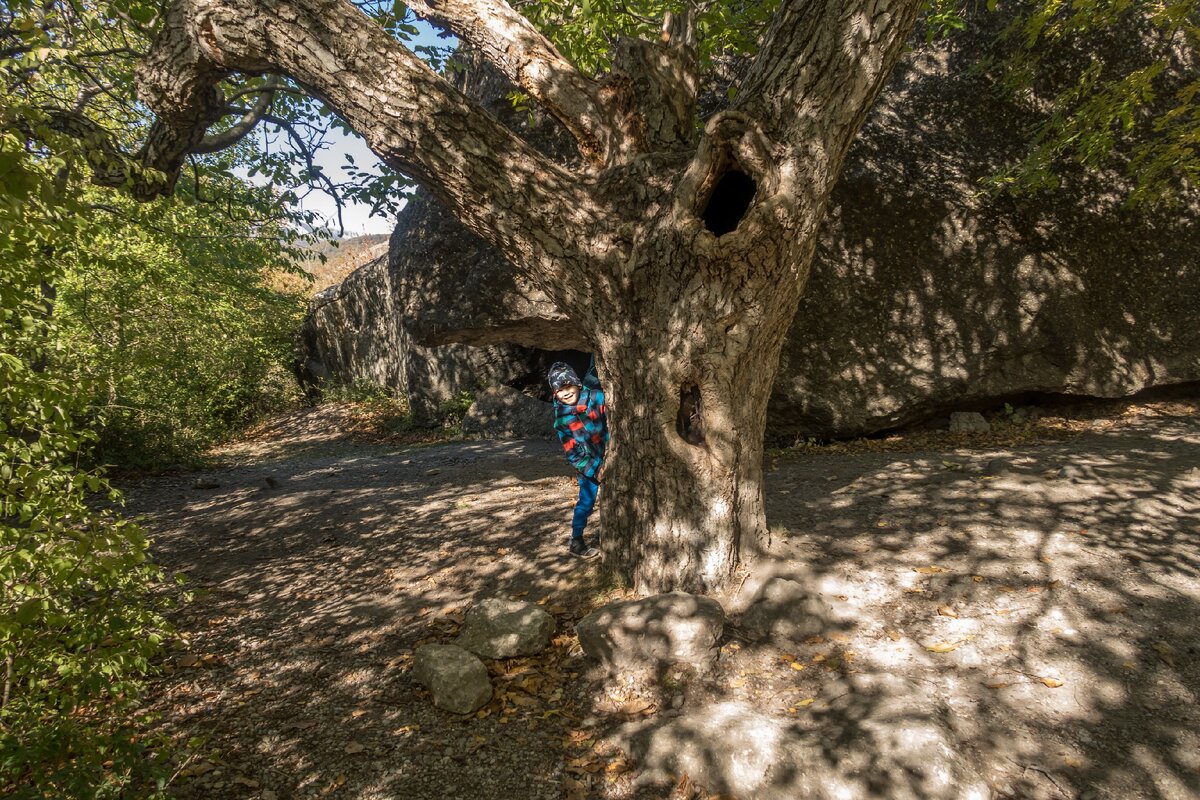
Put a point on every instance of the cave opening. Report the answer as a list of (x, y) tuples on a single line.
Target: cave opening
[(729, 202)]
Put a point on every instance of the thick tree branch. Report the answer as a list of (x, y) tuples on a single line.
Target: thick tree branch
[(528, 59), (664, 78), (500, 187), (819, 71)]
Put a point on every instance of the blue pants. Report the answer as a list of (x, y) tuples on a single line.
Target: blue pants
[(588, 488)]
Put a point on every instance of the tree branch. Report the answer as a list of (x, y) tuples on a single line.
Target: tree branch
[(498, 185), (821, 66), (228, 138), (527, 58)]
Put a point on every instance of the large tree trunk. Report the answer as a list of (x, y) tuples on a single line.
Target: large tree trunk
[(683, 504), (681, 257), (689, 341)]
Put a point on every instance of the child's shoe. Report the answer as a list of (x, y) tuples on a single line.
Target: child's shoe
[(582, 549)]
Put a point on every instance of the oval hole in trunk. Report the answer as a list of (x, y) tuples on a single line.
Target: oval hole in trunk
[(689, 423), (729, 202)]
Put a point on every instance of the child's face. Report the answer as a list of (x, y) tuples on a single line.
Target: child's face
[(567, 395)]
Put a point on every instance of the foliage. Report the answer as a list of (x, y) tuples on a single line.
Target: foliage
[(78, 621), (168, 309), (586, 31), (453, 410), (111, 314), (1113, 81)]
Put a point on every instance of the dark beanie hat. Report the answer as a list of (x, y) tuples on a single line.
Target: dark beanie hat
[(561, 375)]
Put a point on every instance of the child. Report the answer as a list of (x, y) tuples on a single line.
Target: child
[(579, 420)]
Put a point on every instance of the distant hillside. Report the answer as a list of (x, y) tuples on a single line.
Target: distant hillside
[(342, 258)]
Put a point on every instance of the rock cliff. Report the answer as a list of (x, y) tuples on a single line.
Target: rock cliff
[(925, 294)]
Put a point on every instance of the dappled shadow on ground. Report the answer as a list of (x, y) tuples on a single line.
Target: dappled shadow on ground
[(1033, 632), (956, 603), (316, 577)]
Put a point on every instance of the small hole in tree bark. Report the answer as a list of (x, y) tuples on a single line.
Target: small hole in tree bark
[(689, 424), (730, 200)]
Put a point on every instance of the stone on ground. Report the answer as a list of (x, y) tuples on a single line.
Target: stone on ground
[(663, 629), (968, 422), (502, 412), (497, 628), (458, 680), (736, 749), (997, 467), (784, 610)]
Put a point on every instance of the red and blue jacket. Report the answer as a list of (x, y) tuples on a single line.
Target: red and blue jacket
[(583, 430)]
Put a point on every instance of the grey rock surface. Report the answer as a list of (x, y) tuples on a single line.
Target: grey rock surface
[(354, 333), (996, 467), (968, 422), (784, 610), (458, 679), (502, 412), (924, 295), (670, 628), (497, 628), (736, 749)]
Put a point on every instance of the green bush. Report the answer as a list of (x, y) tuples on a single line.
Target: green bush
[(80, 608)]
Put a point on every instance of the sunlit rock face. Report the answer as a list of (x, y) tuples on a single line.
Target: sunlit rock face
[(924, 296), (354, 333)]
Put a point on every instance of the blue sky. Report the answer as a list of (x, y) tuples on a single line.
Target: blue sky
[(333, 159)]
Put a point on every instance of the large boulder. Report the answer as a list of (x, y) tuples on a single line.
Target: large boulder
[(457, 679), (497, 628), (672, 628), (925, 295), (354, 333), (785, 611), (502, 412)]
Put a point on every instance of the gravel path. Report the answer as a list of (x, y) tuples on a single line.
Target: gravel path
[(1049, 612)]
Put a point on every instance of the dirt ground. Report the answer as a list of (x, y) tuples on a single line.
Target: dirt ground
[(1049, 613)]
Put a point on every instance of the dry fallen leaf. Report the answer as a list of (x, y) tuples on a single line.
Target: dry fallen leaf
[(977, 578), (946, 647), (1053, 683), (931, 570), (808, 701), (947, 611), (796, 665), (1008, 589), (1071, 761), (894, 635), (1165, 653), (915, 590)]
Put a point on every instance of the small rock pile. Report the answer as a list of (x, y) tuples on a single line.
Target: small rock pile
[(455, 673), (672, 628)]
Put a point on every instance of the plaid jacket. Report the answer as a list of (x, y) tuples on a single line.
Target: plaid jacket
[(583, 430)]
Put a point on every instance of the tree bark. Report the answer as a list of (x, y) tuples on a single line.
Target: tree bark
[(681, 257)]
